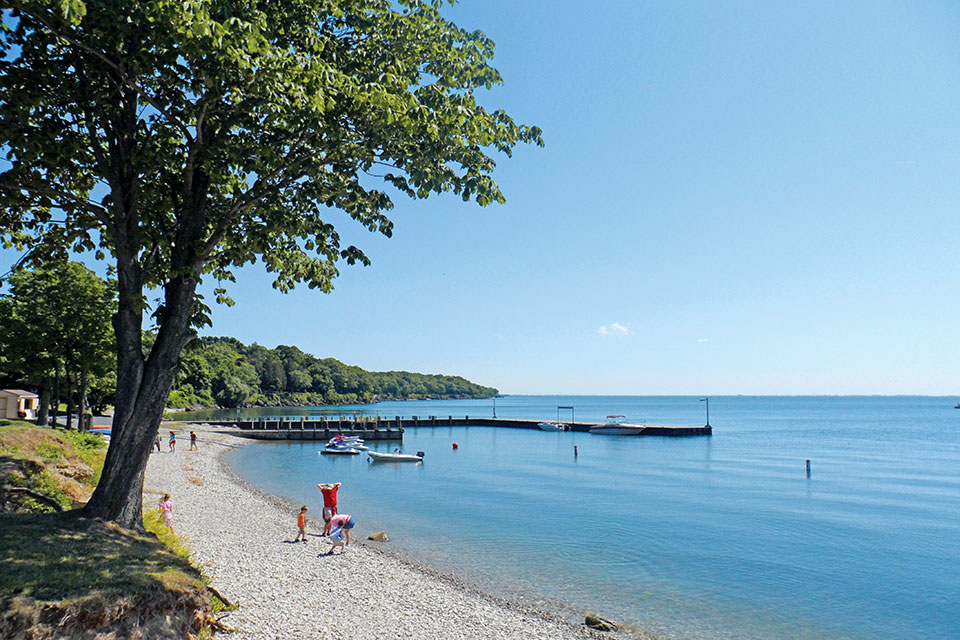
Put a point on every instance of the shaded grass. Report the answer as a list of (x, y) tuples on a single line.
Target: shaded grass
[(62, 575), (61, 557)]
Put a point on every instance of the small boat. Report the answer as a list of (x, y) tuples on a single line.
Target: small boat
[(352, 442), (618, 427), (552, 426), (342, 451), (957, 406), (395, 457), (349, 445), (345, 440)]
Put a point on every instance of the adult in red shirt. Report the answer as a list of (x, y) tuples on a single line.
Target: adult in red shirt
[(329, 492)]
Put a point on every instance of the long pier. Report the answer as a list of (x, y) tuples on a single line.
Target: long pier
[(381, 428)]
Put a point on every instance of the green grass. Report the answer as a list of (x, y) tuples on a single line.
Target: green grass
[(89, 447), (21, 440), (61, 557), (87, 570), (50, 451)]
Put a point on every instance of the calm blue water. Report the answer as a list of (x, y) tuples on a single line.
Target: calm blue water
[(719, 537)]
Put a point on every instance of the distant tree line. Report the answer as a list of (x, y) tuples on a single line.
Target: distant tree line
[(56, 336), (224, 372)]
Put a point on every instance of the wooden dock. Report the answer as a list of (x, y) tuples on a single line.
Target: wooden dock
[(380, 428)]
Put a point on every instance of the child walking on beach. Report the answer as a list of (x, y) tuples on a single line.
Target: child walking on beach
[(173, 442), (166, 507), (302, 523), (193, 441)]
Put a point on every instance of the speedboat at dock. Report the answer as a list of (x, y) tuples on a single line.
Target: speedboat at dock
[(552, 426), (347, 442), (617, 426)]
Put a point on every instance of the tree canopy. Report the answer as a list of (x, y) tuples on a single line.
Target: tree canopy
[(185, 138), (56, 322), (226, 373)]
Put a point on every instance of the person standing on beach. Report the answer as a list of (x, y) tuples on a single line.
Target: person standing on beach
[(329, 492), (173, 442), (345, 522), (158, 442), (302, 523), (193, 441), (166, 507)]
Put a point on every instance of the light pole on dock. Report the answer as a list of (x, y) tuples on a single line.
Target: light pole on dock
[(707, 400)]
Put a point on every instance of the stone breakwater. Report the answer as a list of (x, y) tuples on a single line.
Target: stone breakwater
[(242, 537)]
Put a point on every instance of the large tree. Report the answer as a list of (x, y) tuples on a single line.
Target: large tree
[(56, 322), (186, 138)]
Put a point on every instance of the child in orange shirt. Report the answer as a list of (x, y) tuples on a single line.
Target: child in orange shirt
[(302, 523)]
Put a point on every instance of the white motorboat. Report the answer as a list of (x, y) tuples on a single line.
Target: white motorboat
[(343, 451), (395, 457), (617, 426), (351, 442), (552, 426)]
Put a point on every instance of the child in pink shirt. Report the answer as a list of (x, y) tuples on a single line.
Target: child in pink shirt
[(166, 507)]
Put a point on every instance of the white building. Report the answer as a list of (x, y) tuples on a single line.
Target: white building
[(16, 403)]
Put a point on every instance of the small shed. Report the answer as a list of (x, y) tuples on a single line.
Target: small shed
[(17, 403)]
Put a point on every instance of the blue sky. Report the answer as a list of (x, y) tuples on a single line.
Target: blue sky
[(734, 197)]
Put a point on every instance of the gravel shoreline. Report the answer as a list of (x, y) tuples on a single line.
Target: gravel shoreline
[(242, 539)]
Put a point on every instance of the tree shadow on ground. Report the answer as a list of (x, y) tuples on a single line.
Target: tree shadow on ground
[(55, 557)]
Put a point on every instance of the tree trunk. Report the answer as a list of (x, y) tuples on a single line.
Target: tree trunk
[(82, 424), (55, 404), (142, 390), (69, 400), (43, 411)]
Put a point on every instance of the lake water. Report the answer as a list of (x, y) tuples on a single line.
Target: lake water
[(710, 537)]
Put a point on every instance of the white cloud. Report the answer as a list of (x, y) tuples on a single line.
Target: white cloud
[(614, 329), (703, 340)]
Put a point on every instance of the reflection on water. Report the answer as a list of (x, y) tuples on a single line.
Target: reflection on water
[(722, 537)]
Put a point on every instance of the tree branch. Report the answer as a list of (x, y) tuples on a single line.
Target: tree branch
[(98, 211), (129, 82), (39, 497), (260, 189)]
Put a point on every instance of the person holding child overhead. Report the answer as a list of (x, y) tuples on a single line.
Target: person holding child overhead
[(329, 492)]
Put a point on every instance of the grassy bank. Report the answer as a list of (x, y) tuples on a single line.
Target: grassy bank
[(66, 576)]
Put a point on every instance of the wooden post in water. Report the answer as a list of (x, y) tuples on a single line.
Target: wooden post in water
[(808, 467)]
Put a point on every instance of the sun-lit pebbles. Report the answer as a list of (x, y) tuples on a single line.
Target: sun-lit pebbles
[(239, 536)]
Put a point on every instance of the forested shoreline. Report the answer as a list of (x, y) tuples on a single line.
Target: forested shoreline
[(223, 372)]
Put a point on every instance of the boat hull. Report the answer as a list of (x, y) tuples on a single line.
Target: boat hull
[(618, 429), (552, 426), (340, 452), (393, 457)]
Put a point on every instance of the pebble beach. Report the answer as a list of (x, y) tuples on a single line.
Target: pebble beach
[(243, 541)]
